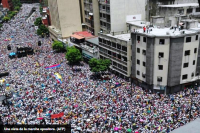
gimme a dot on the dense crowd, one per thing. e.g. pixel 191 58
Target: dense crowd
pixel 88 105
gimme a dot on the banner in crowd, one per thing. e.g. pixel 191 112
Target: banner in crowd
pixel 53 66
pixel 57 115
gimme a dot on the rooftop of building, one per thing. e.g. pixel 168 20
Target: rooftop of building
pixel 84 34
pixel 125 37
pixel 94 40
pixel 181 5
pixel 168 32
pixel 138 23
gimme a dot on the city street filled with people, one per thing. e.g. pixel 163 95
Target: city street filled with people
pixel 88 105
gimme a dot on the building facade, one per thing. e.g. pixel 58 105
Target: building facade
pixel 165 60
pixel 65 18
pixel 117 48
pixel 91 11
pixel 7 4
pixel 115 13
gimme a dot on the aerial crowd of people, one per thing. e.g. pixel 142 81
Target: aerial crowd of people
pixel 88 105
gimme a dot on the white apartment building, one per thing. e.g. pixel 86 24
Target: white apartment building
pixel 165 59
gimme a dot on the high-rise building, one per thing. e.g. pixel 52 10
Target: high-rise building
pixel 65 18
pixel 91 11
pixel 112 15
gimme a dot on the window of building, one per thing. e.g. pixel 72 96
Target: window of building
pixel 113 44
pixel 162 41
pixel 159 79
pixel 184 76
pixel 138 38
pixel 144 64
pixel 193 62
pixel 114 63
pixel 188 39
pixel 124 48
pixel 185 65
pixel 114 54
pixel 195 50
pixel 124 68
pixel 100 40
pixel 124 59
pixel 160 67
pixel 144 39
pixel 160 54
pixel 197 37
pixel 192 75
pixel 109 52
pixel 138 50
pixel 104 41
pixel 120 66
pixel 108 43
pixel 101 57
pixel 118 46
pixel 138 62
pixel 138 72
pixel 143 75
pixel 144 52
pixel 119 56
pixel 187 52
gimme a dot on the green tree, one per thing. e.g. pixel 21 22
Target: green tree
pixel 39 32
pixel 99 65
pixel 58 46
pixel 16 3
pixel 6 18
pixel 17 8
pixel 38 21
pixel 43 28
pixel 73 55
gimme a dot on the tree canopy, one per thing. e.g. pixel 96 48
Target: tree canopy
pixel 17 8
pixel 38 21
pixel 57 45
pixel 5 18
pixel 99 65
pixel 73 55
pixel 16 3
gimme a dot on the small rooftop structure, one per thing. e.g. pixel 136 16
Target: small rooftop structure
pixel 94 40
pixel 138 23
pixel 164 32
pixel 125 37
pixel 84 34
pixel 181 5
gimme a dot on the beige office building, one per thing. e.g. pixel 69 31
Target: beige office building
pixel 65 18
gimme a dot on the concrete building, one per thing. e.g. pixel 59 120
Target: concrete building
pixel 132 25
pixel 165 59
pixel 7 4
pixel 117 48
pixel 91 13
pixel 170 15
pixel 115 13
pixel 86 43
pixel 46 19
pixel 65 18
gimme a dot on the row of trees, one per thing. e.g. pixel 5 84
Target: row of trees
pixel 42 29
pixel 10 14
pixel 74 56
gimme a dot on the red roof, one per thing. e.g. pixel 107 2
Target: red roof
pixel 84 34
